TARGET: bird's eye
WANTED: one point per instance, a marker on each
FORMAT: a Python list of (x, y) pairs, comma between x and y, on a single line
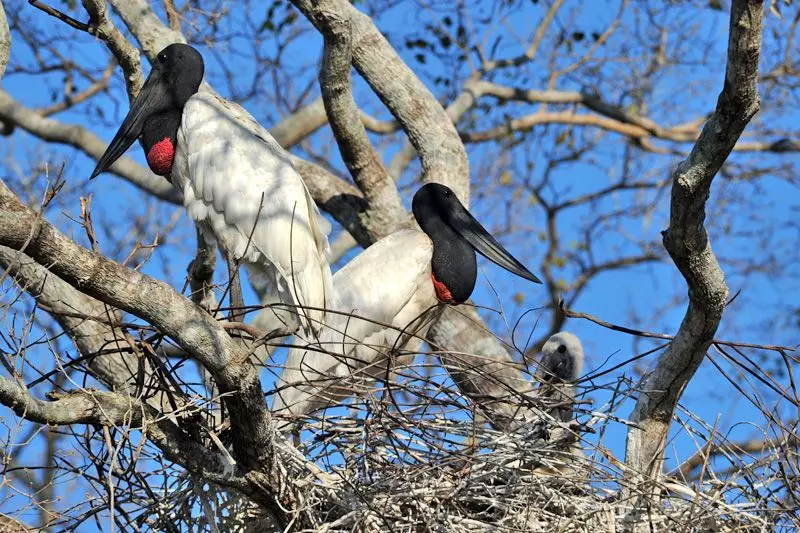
[(562, 349)]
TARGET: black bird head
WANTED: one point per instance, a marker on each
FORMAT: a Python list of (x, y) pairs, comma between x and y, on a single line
[(456, 236), (176, 75)]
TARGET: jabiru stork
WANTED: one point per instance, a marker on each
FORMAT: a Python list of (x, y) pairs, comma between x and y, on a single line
[(560, 367), (384, 299), (238, 183)]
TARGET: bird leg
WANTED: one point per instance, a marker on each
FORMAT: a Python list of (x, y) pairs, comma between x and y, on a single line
[(235, 286)]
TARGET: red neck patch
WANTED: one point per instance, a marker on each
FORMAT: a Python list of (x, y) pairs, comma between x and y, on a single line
[(442, 292), (161, 156)]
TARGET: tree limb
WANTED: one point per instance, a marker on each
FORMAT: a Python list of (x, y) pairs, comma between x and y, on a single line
[(384, 209), (113, 409), (688, 244), (430, 131), (158, 303), (127, 56), (5, 41)]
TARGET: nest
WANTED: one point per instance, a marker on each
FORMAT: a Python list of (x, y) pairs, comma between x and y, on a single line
[(389, 472)]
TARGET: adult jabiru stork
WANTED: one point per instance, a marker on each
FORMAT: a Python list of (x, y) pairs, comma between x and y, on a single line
[(394, 285), (238, 184)]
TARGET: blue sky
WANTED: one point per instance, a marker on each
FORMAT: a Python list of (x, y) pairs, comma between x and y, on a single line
[(651, 295)]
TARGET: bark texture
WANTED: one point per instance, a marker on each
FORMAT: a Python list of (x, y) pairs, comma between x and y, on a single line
[(688, 245)]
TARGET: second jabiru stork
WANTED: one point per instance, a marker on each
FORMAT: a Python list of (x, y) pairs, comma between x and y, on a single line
[(238, 183), (384, 299)]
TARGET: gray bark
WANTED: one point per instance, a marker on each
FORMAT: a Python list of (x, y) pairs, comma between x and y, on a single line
[(383, 209), (158, 303), (429, 129), (5, 41), (688, 244)]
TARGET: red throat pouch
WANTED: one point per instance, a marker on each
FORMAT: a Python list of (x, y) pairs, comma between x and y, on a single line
[(161, 156), (442, 292)]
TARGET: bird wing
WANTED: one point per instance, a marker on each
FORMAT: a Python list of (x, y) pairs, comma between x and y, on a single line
[(388, 283), (242, 185)]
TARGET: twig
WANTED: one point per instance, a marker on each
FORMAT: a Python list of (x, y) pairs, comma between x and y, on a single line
[(639, 333), (78, 25)]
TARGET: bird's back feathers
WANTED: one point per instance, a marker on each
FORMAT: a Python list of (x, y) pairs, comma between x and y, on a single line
[(243, 189)]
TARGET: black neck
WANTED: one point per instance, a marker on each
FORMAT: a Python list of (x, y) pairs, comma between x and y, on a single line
[(160, 126), (454, 262)]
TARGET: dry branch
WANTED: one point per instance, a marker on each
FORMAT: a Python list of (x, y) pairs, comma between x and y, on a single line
[(158, 303), (68, 306), (127, 56), (688, 244), (429, 129), (112, 409), (5, 41), (384, 209)]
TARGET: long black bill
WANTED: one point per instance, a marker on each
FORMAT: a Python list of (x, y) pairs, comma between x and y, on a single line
[(476, 235), (153, 96)]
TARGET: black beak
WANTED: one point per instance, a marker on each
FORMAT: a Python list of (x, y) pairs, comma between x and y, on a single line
[(482, 241), (154, 96)]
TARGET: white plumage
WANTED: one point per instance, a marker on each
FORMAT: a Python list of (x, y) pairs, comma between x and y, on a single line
[(389, 283), (396, 285), (242, 189)]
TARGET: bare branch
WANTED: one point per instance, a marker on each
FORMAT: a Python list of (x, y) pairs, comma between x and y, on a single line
[(5, 41), (109, 408), (158, 303), (127, 56), (63, 17), (688, 244), (299, 125), (384, 209), (152, 35), (429, 129), (68, 306)]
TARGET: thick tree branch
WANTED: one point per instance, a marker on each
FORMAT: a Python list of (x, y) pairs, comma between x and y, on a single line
[(152, 34), (159, 304), (127, 56), (384, 209), (430, 131), (688, 244), (113, 409), (300, 124)]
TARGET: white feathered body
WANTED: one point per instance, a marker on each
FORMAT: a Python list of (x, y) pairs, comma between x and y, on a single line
[(241, 187), (390, 284)]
